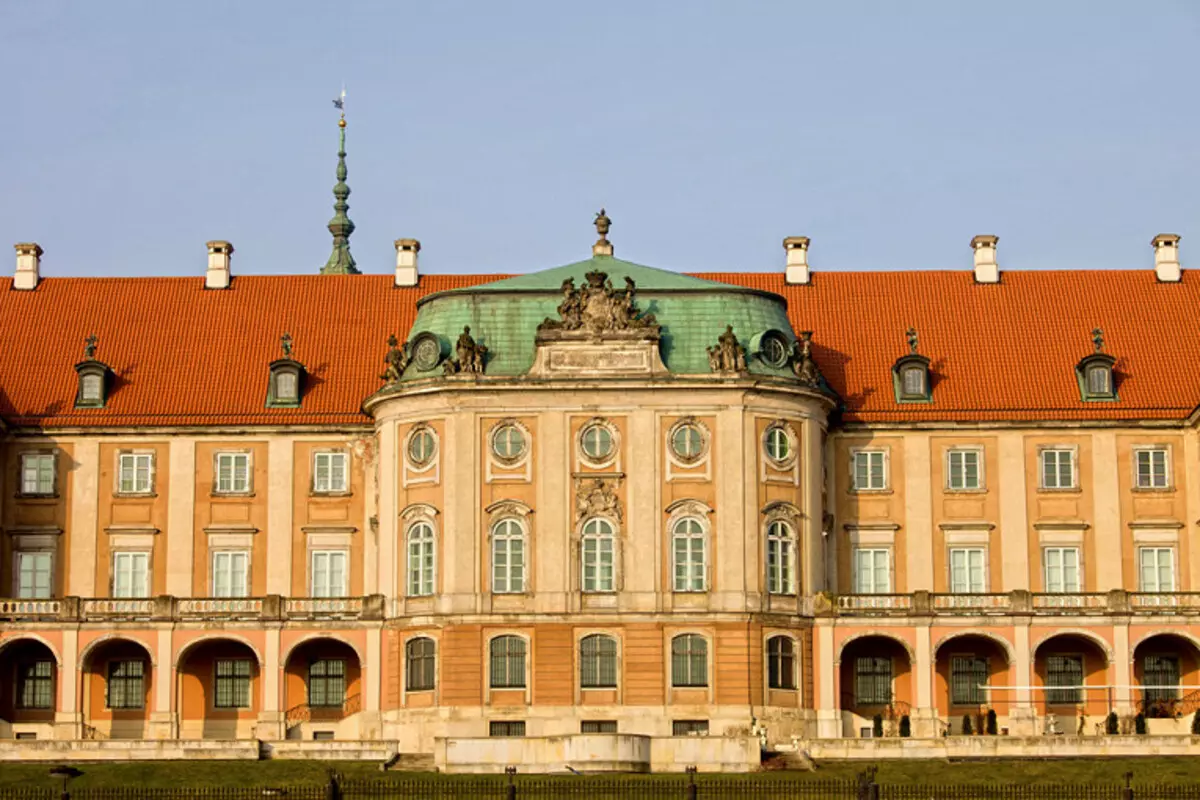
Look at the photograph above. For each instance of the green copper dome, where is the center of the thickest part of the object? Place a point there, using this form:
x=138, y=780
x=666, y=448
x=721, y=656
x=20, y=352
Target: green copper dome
x=504, y=316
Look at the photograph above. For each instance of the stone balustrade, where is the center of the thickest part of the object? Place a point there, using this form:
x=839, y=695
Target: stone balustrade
x=169, y=608
x=1018, y=602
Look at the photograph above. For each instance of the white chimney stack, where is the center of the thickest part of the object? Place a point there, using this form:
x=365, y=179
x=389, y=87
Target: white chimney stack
x=986, y=268
x=796, y=270
x=406, y=262
x=1166, y=258
x=29, y=266
x=218, y=275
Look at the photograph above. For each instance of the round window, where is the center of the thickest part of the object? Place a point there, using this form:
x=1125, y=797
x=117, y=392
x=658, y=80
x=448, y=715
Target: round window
x=687, y=442
x=508, y=442
x=774, y=350
x=597, y=442
x=779, y=444
x=421, y=446
x=426, y=352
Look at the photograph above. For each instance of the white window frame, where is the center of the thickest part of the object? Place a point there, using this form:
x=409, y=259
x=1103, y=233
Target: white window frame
x=781, y=557
x=329, y=486
x=232, y=487
x=421, y=559
x=1157, y=586
x=884, y=454
x=977, y=452
x=38, y=459
x=132, y=557
x=91, y=387
x=509, y=578
x=1071, y=451
x=1048, y=584
x=779, y=431
x=1151, y=451
x=328, y=588
x=874, y=585
x=130, y=461
x=689, y=582
x=970, y=586
x=594, y=544
x=20, y=590
x=235, y=587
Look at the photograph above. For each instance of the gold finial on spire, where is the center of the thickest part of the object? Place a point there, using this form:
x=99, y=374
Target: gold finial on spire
x=602, y=247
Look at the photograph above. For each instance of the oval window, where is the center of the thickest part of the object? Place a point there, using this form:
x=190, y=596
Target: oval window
x=687, y=442
x=508, y=442
x=597, y=442
x=774, y=350
x=421, y=446
x=779, y=444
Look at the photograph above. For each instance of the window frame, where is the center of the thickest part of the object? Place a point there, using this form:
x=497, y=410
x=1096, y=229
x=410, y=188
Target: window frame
x=977, y=452
x=1055, y=692
x=975, y=696
x=329, y=682
x=330, y=490
x=233, y=683
x=689, y=666
x=984, y=566
x=422, y=678
x=131, y=555
x=781, y=666
x=504, y=679
x=881, y=683
x=599, y=669
x=1158, y=551
x=233, y=456
x=787, y=436
x=613, y=442
x=781, y=562
x=30, y=682
x=600, y=538
x=884, y=454
x=419, y=432
x=1150, y=696
x=1073, y=452
x=19, y=556
x=136, y=489
x=681, y=426
x=514, y=459
x=1151, y=450
x=39, y=456
x=508, y=538
x=687, y=583
x=328, y=552
x=856, y=568
x=506, y=729
x=420, y=572
x=229, y=552
x=1061, y=549
x=132, y=687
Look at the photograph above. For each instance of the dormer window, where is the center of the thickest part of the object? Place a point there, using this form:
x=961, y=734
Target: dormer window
x=287, y=379
x=910, y=374
x=1095, y=372
x=93, y=378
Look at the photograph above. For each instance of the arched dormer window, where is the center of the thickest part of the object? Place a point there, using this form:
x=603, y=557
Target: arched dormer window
x=910, y=374
x=93, y=378
x=286, y=384
x=1095, y=372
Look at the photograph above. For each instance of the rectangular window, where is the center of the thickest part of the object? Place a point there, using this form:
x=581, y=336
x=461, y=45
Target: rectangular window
x=126, y=684
x=968, y=570
x=872, y=570
x=230, y=569
x=1058, y=469
x=329, y=473
x=35, y=574
x=872, y=681
x=1062, y=569
x=131, y=573
x=37, y=473
x=327, y=683
x=136, y=473
x=1151, y=466
x=232, y=688
x=870, y=470
x=962, y=470
x=598, y=726
x=598, y=573
x=233, y=473
x=35, y=684
x=1064, y=676
x=329, y=577
x=500, y=728
x=1157, y=569
x=1160, y=676
x=968, y=677
x=689, y=727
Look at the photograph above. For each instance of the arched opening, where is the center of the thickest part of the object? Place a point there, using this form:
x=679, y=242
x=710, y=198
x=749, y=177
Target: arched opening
x=876, y=679
x=1071, y=673
x=28, y=689
x=965, y=667
x=218, y=690
x=117, y=690
x=322, y=685
x=1162, y=665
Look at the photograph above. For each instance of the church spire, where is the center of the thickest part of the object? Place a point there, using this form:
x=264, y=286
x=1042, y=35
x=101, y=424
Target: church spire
x=340, y=261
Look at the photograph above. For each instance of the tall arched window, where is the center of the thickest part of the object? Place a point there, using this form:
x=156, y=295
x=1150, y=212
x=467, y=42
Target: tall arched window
x=508, y=662
x=420, y=559
x=781, y=558
x=508, y=556
x=597, y=554
x=688, y=555
x=420, y=664
x=781, y=663
x=598, y=662
x=689, y=660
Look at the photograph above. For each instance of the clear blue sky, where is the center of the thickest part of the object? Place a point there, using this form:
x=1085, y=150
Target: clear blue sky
x=890, y=133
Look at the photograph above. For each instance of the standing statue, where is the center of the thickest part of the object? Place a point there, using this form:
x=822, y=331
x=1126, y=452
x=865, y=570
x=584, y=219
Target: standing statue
x=469, y=356
x=396, y=360
x=803, y=365
x=728, y=355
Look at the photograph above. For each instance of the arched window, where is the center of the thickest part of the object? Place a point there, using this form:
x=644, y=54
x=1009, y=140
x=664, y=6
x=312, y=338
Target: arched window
x=597, y=553
x=781, y=558
x=420, y=664
x=508, y=662
x=508, y=557
x=688, y=555
x=913, y=381
x=420, y=560
x=1099, y=380
x=781, y=663
x=689, y=660
x=598, y=662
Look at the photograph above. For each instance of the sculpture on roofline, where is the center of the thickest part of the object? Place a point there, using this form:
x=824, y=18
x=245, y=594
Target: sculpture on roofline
x=803, y=364
x=469, y=356
x=396, y=361
x=596, y=308
x=728, y=355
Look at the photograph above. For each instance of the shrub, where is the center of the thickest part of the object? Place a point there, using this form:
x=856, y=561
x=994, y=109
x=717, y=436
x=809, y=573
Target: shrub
x=967, y=728
x=992, y=729
x=1139, y=724
x=877, y=726
x=906, y=725
x=1112, y=725
x=1196, y=724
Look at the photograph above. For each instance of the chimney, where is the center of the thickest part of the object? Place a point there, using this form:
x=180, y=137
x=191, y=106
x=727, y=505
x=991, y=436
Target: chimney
x=796, y=271
x=29, y=263
x=986, y=268
x=406, y=262
x=218, y=275
x=1166, y=258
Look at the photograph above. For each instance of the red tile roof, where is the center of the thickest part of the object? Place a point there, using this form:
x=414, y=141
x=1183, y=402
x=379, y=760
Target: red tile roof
x=184, y=355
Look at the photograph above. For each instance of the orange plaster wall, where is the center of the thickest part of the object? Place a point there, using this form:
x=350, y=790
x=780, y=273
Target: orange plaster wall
x=197, y=681
x=885, y=506
x=1153, y=504
x=981, y=505
x=1060, y=504
x=37, y=511
x=149, y=510
x=235, y=511
x=96, y=677
x=332, y=510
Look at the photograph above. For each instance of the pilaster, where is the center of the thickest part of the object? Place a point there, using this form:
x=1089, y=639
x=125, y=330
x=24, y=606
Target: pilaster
x=1106, y=518
x=270, y=717
x=181, y=516
x=1014, y=523
x=85, y=498
x=812, y=468
x=280, y=496
x=918, y=517
x=1123, y=663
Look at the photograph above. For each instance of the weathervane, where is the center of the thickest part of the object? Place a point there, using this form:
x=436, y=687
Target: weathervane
x=1098, y=338
x=911, y=335
x=339, y=103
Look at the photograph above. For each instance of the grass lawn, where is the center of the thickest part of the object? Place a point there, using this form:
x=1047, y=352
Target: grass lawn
x=284, y=773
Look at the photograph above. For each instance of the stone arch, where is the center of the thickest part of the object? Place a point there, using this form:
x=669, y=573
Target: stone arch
x=1009, y=651
x=1191, y=639
x=104, y=639
x=17, y=637
x=1094, y=638
x=286, y=656
x=217, y=637
x=882, y=633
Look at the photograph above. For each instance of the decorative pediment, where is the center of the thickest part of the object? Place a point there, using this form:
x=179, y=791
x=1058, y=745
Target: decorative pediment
x=508, y=508
x=779, y=510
